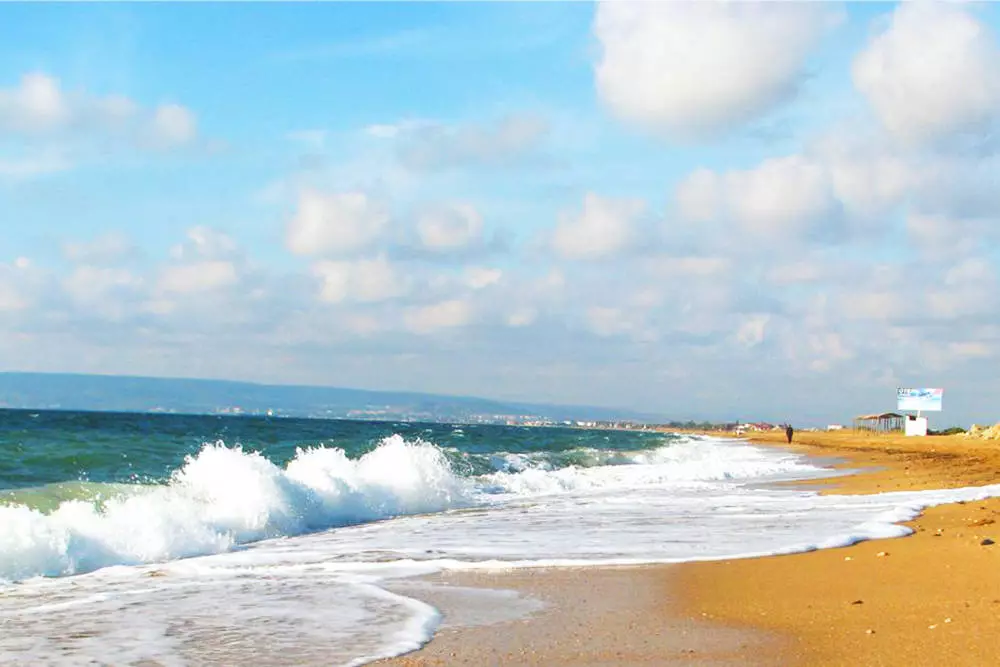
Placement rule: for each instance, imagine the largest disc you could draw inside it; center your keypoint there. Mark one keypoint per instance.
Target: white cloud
(35, 164)
(699, 196)
(751, 331)
(199, 276)
(694, 68)
(394, 130)
(788, 197)
(94, 286)
(938, 237)
(826, 349)
(780, 196)
(630, 317)
(607, 321)
(365, 280)
(382, 131)
(796, 272)
(448, 314)
(37, 104)
(603, 228)
(478, 277)
(173, 125)
(205, 243)
(522, 317)
(449, 228)
(436, 146)
(314, 140)
(335, 224)
(971, 271)
(933, 72)
(11, 297)
(107, 249)
(875, 302)
(39, 108)
(716, 268)
(871, 182)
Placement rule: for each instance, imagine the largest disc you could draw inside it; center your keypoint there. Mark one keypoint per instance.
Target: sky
(777, 211)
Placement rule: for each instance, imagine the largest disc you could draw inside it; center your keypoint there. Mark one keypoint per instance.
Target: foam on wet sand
(926, 599)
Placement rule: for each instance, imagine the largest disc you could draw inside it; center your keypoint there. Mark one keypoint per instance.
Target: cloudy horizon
(692, 209)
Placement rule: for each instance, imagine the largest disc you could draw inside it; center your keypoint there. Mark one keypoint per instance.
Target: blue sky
(701, 209)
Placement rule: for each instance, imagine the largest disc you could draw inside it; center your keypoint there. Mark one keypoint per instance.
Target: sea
(175, 540)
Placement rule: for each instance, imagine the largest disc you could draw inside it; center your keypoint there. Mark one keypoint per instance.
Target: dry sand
(930, 598)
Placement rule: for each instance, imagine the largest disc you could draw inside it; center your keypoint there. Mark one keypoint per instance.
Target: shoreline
(933, 596)
(928, 598)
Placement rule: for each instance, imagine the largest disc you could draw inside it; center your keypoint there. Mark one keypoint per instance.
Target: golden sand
(927, 599)
(930, 598)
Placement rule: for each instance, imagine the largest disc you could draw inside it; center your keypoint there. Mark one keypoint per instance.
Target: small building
(886, 422)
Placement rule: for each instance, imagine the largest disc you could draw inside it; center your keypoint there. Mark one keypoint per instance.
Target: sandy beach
(929, 598)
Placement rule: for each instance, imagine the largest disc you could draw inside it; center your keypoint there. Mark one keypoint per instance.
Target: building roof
(883, 415)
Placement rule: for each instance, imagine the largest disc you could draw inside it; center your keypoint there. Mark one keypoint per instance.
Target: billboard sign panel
(921, 400)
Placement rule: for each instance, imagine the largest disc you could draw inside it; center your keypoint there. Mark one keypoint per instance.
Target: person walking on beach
(789, 431)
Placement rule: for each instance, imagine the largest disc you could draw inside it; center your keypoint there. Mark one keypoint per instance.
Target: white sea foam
(224, 497)
(317, 595)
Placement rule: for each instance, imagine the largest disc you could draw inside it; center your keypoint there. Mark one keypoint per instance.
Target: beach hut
(886, 422)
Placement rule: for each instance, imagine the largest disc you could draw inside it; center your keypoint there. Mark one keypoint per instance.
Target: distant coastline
(134, 394)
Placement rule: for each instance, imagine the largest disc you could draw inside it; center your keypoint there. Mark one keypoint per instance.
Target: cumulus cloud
(868, 179)
(36, 104)
(448, 314)
(38, 108)
(449, 228)
(335, 224)
(752, 330)
(25, 166)
(968, 288)
(788, 197)
(479, 277)
(12, 297)
(797, 272)
(625, 321)
(364, 280)
(200, 276)
(205, 243)
(697, 68)
(95, 286)
(107, 249)
(436, 146)
(941, 237)
(931, 73)
(173, 125)
(603, 228)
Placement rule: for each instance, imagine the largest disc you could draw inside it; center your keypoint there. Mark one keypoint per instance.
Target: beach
(928, 598)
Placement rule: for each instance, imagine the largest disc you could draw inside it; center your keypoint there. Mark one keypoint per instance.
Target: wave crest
(224, 496)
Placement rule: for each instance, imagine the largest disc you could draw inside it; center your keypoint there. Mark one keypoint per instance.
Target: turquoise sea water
(50, 456)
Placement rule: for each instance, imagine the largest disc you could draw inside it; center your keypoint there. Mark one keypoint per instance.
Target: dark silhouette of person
(788, 433)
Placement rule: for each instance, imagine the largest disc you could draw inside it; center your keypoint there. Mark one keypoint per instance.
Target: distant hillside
(141, 394)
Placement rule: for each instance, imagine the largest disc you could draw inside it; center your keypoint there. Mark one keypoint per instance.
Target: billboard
(925, 400)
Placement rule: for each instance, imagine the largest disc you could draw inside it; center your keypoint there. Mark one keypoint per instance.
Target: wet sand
(932, 597)
(607, 617)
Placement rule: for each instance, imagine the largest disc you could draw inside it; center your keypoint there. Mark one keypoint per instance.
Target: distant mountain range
(59, 391)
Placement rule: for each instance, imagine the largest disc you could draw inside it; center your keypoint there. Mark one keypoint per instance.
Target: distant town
(41, 391)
